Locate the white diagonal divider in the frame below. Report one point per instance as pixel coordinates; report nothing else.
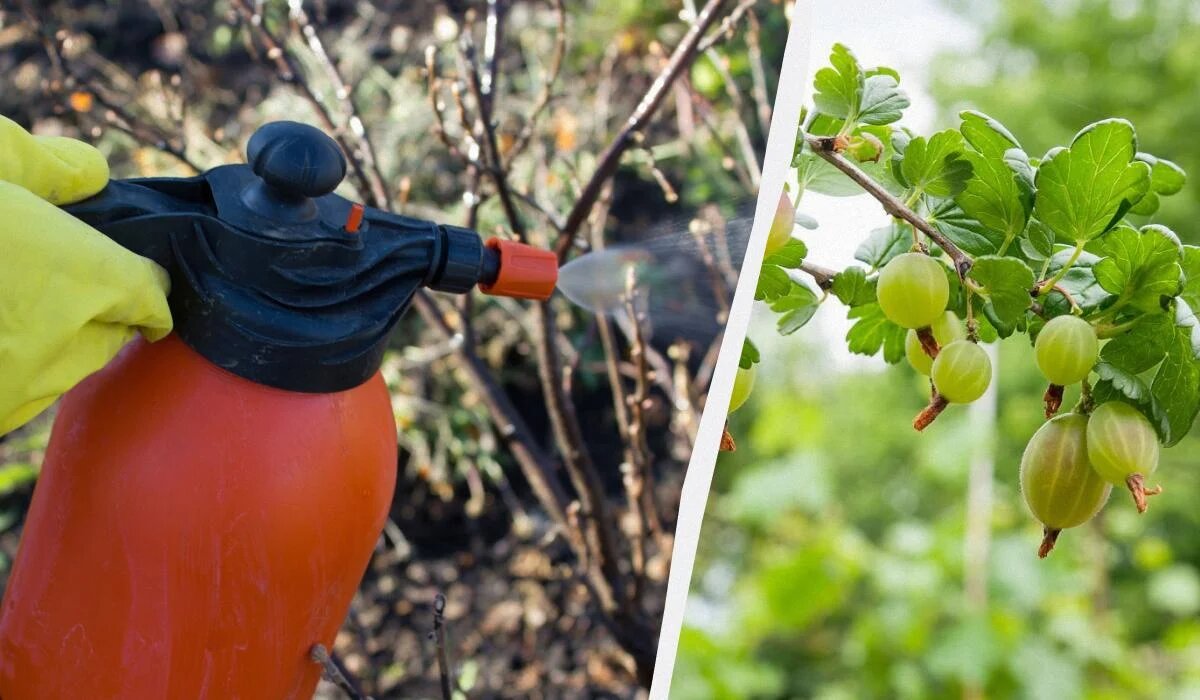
(785, 121)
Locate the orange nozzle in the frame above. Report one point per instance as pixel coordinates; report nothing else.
(525, 272)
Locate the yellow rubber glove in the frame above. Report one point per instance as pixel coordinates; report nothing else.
(69, 296)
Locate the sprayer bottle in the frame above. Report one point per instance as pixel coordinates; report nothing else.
(208, 503)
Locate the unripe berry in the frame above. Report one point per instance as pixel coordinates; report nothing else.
(1058, 482)
(743, 384)
(946, 329)
(1123, 448)
(961, 372)
(1066, 350)
(782, 225)
(913, 290)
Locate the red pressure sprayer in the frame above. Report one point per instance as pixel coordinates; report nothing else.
(208, 503)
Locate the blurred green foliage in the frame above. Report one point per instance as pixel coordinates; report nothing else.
(1047, 66)
(836, 554)
(832, 558)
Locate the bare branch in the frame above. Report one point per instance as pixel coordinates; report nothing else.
(289, 72)
(345, 99)
(646, 109)
(543, 99)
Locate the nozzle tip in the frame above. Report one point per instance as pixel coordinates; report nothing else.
(525, 272)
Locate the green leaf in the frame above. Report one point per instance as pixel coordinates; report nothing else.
(851, 287)
(1142, 267)
(789, 256)
(750, 355)
(1037, 242)
(796, 309)
(873, 332)
(1191, 276)
(839, 86)
(965, 232)
(936, 165)
(1085, 189)
(992, 196)
(883, 102)
(1166, 178)
(816, 175)
(1006, 283)
(883, 244)
(986, 135)
(1018, 162)
(773, 283)
(1147, 205)
(1143, 346)
(1176, 388)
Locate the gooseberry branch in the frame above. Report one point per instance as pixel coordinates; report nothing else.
(826, 147)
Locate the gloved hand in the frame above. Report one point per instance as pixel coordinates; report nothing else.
(69, 296)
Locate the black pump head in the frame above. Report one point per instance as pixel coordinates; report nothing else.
(274, 277)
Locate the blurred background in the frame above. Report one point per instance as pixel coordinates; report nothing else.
(170, 87)
(843, 556)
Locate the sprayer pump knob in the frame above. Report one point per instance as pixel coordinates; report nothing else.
(296, 160)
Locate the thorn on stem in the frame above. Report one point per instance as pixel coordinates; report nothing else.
(1137, 487)
(1049, 537)
(1053, 399)
(928, 343)
(937, 404)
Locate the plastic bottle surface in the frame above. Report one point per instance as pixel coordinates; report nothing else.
(193, 534)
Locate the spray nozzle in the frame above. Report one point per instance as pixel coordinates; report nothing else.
(512, 269)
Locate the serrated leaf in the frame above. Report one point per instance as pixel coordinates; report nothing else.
(992, 197)
(882, 102)
(750, 355)
(789, 256)
(1006, 283)
(883, 244)
(1143, 346)
(936, 165)
(986, 135)
(773, 282)
(839, 85)
(965, 232)
(872, 332)
(795, 309)
(1085, 189)
(851, 287)
(1141, 267)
